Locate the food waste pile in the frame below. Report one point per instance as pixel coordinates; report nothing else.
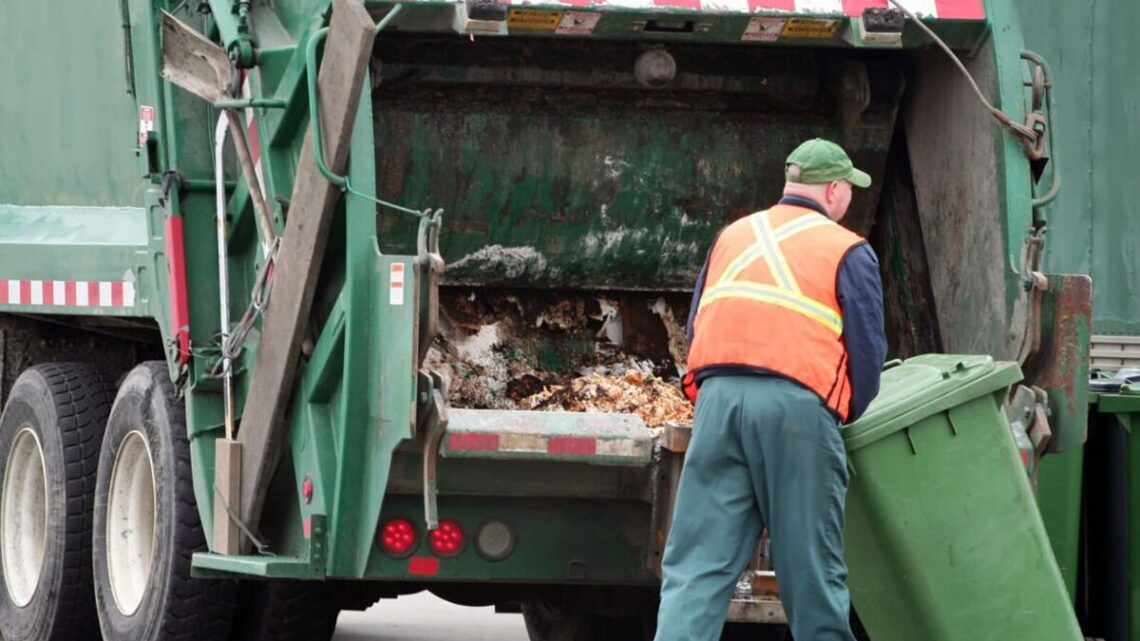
(542, 352)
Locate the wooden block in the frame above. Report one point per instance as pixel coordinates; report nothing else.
(340, 81)
(227, 487)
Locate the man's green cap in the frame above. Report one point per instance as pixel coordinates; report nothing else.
(819, 162)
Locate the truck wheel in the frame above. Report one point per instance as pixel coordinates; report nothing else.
(146, 523)
(546, 621)
(49, 446)
(286, 611)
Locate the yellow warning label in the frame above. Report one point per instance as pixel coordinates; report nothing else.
(809, 28)
(532, 19)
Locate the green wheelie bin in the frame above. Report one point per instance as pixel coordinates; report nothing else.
(943, 540)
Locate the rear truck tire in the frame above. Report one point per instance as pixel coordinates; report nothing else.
(286, 611)
(551, 621)
(50, 433)
(146, 523)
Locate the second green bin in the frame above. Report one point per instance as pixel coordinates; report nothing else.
(944, 540)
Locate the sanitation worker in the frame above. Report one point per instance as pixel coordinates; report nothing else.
(786, 345)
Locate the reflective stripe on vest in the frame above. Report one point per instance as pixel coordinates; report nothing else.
(770, 301)
(786, 292)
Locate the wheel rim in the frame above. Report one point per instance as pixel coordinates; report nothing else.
(23, 517)
(130, 523)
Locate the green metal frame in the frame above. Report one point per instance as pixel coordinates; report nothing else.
(359, 394)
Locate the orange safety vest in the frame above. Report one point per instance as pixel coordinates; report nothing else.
(770, 302)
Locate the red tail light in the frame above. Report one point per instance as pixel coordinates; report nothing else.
(447, 539)
(398, 537)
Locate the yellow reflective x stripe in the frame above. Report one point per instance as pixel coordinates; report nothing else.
(786, 293)
(780, 297)
(784, 232)
(777, 264)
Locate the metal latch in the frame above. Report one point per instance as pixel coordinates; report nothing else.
(1028, 413)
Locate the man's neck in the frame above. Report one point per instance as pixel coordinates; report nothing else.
(803, 201)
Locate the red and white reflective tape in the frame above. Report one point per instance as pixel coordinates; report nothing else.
(396, 284)
(543, 446)
(252, 132)
(67, 293)
(939, 9)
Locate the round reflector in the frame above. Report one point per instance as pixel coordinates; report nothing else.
(495, 540)
(398, 537)
(447, 539)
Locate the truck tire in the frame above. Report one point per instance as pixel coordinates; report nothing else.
(49, 446)
(146, 523)
(549, 621)
(286, 611)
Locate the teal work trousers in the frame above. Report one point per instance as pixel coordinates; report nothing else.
(764, 453)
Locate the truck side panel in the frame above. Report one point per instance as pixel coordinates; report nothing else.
(69, 127)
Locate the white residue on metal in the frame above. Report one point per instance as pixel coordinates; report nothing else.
(511, 262)
(598, 243)
(678, 341)
(615, 167)
(611, 322)
(479, 348)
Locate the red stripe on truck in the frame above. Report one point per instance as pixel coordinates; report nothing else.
(960, 9)
(779, 5)
(584, 446)
(680, 4)
(473, 442)
(857, 7)
(423, 566)
(176, 273)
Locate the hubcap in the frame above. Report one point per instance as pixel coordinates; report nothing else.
(23, 518)
(130, 523)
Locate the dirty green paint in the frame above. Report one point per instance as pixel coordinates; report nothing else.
(605, 544)
(618, 22)
(1095, 222)
(1059, 485)
(609, 185)
(603, 187)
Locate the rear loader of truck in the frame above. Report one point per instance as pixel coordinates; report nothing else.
(306, 305)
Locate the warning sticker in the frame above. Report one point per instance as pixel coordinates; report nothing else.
(578, 23)
(534, 20)
(146, 123)
(764, 29)
(396, 284)
(808, 28)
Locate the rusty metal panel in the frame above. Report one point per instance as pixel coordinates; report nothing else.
(1062, 369)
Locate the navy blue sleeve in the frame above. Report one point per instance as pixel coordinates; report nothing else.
(860, 290)
(697, 291)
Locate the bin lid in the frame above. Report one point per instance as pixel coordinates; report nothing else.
(914, 389)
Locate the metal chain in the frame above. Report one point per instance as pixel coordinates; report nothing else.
(348, 188)
(233, 347)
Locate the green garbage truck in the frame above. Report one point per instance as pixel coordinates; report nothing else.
(308, 304)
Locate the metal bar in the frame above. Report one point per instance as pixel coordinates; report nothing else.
(314, 98)
(223, 271)
(1050, 195)
(256, 197)
(233, 27)
(251, 103)
(302, 254)
(198, 184)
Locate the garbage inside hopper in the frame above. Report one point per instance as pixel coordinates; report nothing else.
(545, 352)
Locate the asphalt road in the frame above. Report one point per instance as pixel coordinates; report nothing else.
(423, 617)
